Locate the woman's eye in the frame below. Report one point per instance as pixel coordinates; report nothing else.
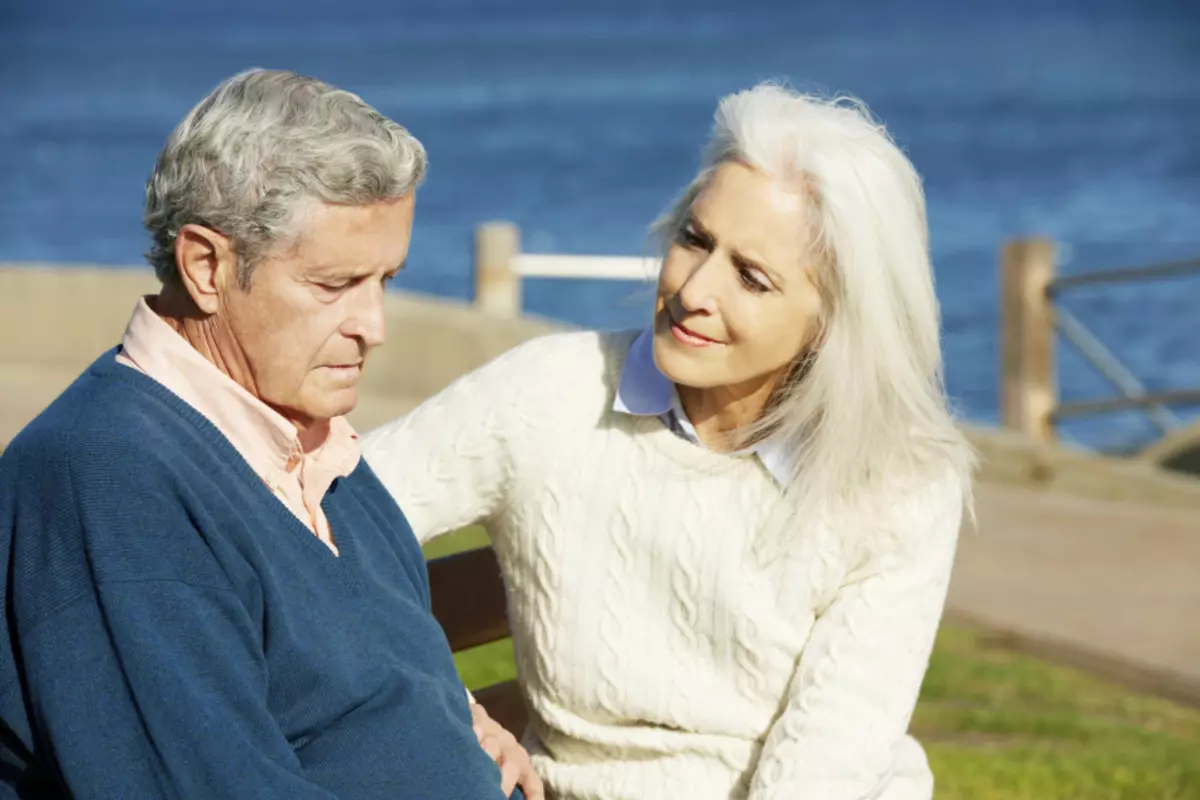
(752, 282)
(689, 238)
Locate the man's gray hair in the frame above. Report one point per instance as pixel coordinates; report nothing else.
(263, 146)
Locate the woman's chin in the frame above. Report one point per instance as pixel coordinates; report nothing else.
(683, 365)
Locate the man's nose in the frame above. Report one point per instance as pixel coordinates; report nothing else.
(367, 321)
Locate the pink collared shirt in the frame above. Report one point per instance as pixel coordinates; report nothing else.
(263, 437)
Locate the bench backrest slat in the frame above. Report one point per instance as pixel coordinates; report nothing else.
(469, 602)
(468, 598)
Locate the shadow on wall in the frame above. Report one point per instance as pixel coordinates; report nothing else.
(1178, 451)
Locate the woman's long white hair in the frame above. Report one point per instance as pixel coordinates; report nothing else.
(864, 408)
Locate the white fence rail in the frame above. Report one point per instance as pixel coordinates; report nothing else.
(500, 267)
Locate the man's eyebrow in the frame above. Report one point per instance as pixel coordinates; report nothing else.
(350, 273)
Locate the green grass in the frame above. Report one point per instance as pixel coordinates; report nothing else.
(491, 663)
(466, 539)
(1001, 725)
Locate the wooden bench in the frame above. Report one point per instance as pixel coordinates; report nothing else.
(469, 602)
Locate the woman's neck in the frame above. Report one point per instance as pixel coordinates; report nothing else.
(718, 413)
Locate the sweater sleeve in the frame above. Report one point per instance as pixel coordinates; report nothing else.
(142, 666)
(856, 684)
(449, 463)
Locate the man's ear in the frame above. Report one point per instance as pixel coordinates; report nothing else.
(207, 265)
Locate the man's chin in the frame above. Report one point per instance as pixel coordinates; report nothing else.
(335, 403)
(344, 405)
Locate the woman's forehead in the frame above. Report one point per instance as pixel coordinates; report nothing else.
(746, 209)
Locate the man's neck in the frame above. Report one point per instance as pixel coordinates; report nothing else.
(211, 338)
(206, 333)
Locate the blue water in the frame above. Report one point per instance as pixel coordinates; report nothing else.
(579, 122)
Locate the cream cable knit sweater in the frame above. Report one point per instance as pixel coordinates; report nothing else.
(668, 645)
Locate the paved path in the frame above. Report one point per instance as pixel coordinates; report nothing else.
(1111, 586)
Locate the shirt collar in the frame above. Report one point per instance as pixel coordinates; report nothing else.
(267, 440)
(643, 391)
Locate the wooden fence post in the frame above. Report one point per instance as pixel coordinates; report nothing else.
(497, 285)
(1029, 388)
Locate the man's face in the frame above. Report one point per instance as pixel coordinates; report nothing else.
(314, 308)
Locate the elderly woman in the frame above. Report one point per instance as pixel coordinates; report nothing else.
(208, 594)
(726, 538)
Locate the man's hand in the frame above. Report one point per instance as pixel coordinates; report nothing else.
(515, 765)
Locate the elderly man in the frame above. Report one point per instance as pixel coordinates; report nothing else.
(207, 593)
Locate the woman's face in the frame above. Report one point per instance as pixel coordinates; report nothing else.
(736, 304)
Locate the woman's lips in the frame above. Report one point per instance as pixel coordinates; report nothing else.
(689, 337)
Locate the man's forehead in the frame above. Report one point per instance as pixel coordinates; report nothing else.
(353, 240)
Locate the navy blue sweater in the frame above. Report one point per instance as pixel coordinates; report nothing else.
(172, 631)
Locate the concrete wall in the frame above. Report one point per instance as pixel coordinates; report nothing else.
(55, 321)
(68, 316)
(1010, 458)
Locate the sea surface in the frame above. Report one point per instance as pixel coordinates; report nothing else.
(581, 121)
